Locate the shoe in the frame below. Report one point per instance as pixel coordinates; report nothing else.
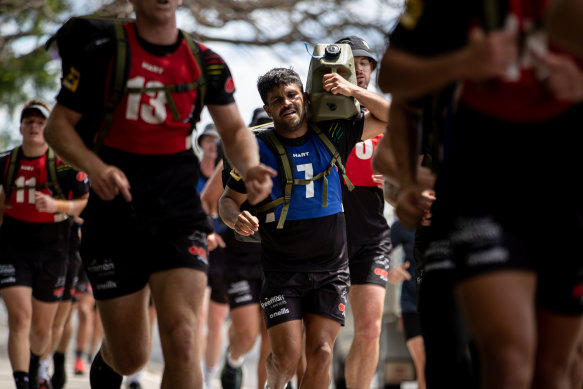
(134, 385)
(289, 385)
(43, 383)
(59, 377)
(79, 367)
(231, 377)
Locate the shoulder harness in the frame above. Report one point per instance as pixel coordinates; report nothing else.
(119, 76)
(288, 179)
(52, 178)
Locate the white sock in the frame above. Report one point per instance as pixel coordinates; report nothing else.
(208, 374)
(235, 362)
(43, 370)
(135, 377)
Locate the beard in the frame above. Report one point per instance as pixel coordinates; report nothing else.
(290, 126)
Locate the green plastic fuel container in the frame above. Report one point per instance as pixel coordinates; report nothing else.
(330, 58)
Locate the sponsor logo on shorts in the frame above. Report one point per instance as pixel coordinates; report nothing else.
(238, 287)
(8, 280)
(59, 291)
(107, 266)
(494, 255)
(382, 273)
(200, 252)
(281, 312)
(341, 307)
(273, 301)
(106, 285)
(241, 299)
(7, 270)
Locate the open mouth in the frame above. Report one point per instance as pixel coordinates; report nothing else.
(288, 113)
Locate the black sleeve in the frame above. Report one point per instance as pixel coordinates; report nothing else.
(220, 84)
(430, 27)
(72, 181)
(3, 162)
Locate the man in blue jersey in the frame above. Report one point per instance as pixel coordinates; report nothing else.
(303, 236)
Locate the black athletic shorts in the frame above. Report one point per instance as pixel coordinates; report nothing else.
(216, 276)
(73, 266)
(41, 266)
(287, 296)
(369, 263)
(509, 200)
(244, 289)
(411, 324)
(120, 249)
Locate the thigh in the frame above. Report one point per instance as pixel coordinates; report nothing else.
(286, 338)
(366, 302)
(320, 332)
(125, 320)
(178, 294)
(246, 319)
(499, 309)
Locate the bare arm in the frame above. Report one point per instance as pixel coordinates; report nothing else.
(483, 57)
(106, 180)
(46, 203)
(230, 211)
(242, 151)
(376, 104)
(212, 191)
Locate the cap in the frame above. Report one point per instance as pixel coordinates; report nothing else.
(259, 117)
(39, 108)
(360, 48)
(209, 130)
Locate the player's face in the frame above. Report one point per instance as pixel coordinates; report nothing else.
(363, 68)
(32, 128)
(208, 144)
(156, 11)
(287, 107)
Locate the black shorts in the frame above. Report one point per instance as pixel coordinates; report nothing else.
(41, 268)
(121, 249)
(369, 263)
(216, 276)
(411, 324)
(508, 200)
(287, 296)
(244, 289)
(73, 266)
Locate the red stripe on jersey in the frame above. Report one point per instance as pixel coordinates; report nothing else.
(359, 163)
(143, 123)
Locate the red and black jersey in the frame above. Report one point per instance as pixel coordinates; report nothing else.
(31, 175)
(143, 123)
(364, 205)
(432, 27)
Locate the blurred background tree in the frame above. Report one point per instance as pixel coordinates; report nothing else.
(29, 71)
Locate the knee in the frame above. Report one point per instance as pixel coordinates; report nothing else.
(127, 361)
(367, 328)
(20, 322)
(511, 363)
(179, 340)
(320, 356)
(285, 359)
(243, 338)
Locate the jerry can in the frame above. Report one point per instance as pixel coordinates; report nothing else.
(330, 58)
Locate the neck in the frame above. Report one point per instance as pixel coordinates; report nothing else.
(34, 150)
(158, 34)
(292, 134)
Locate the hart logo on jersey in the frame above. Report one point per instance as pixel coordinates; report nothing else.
(71, 80)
